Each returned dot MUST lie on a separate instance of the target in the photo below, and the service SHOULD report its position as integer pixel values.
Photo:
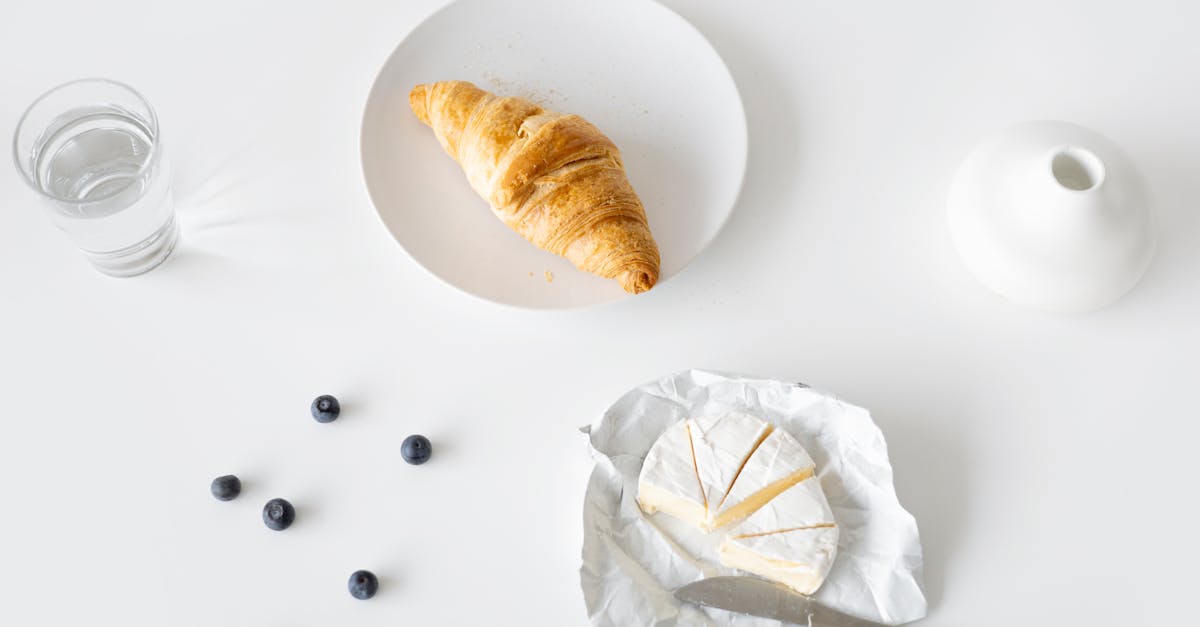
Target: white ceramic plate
(637, 70)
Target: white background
(1048, 459)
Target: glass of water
(91, 149)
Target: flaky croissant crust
(552, 177)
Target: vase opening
(1077, 169)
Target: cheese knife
(758, 597)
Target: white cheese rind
(800, 559)
(802, 505)
(780, 458)
(700, 470)
(668, 480)
(722, 444)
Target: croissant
(552, 177)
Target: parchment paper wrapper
(632, 563)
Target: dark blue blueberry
(278, 514)
(226, 488)
(325, 408)
(416, 449)
(363, 584)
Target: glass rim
(151, 158)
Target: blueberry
(363, 584)
(325, 408)
(226, 488)
(416, 449)
(278, 514)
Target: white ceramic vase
(1052, 215)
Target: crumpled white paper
(632, 563)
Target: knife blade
(758, 597)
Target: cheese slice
(792, 539)
(799, 559)
(802, 505)
(722, 444)
(776, 465)
(668, 480)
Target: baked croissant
(552, 177)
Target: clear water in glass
(101, 169)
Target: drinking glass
(92, 150)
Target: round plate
(637, 70)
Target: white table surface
(1048, 459)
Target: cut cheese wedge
(791, 539)
(722, 444)
(799, 559)
(776, 465)
(802, 505)
(668, 480)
